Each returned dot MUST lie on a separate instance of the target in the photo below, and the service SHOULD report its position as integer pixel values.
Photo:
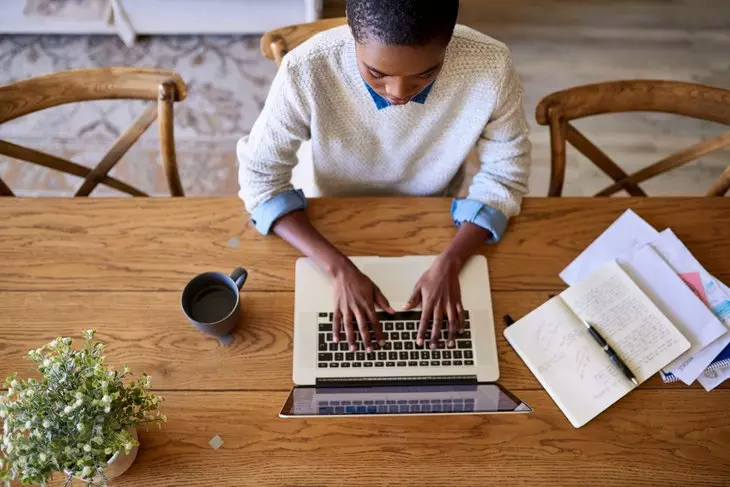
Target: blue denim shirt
(462, 210)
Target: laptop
(400, 378)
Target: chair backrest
(276, 43)
(688, 99)
(35, 94)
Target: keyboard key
(388, 346)
(334, 365)
(345, 364)
(457, 353)
(390, 364)
(349, 356)
(360, 356)
(400, 326)
(371, 356)
(422, 363)
(322, 365)
(458, 362)
(325, 327)
(368, 364)
(446, 354)
(468, 362)
(322, 347)
(466, 334)
(356, 364)
(411, 325)
(466, 314)
(467, 326)
(379, 364)
(425, 355)
(414, 335)
(398, 346)
(403, 356)
(463, 344)
(392, 355)
(446, 362)
(408, 345)
(421, 346)
(435, 363)
(339, 357)
(436, 354)
(412, 364)
(414, 355)
(344, 347)
(389, 327)
(468, 354)
(323, 315)
(325, 357)
(333, 347)
(329, 337)
(382, 355)
(402, 364)
(332, 316)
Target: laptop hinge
(401, 381)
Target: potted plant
(79, 418)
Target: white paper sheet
(688, 313)
(625, 235)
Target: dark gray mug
(212, 303)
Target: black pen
(611, 353)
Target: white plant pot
(119, 462)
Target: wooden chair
(276, 43)
(692, 100)
(35, 94)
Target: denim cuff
(266, 214)
(479, 214)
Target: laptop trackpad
(396, 277)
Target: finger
(460, 313)
(453, 317)
(415, 298)
(347, 320)
(375, 322)
(362, 324)
(382, 301)
(337, 326)
(438, 318)
(423, 326)
(350, 332)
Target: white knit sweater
(412, 149)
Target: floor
(556, 44)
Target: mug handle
(239, 276)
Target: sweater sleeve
(504, 151)
(267, 156)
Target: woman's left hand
(439, 294)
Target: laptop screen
(417, 399)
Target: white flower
(3, 413)
(30, 392)
(28, 425)
(78, 402)
(67, 409)
(46, 423)
(79, 395)
(47, 362)
(14, 383)
(98, 440)
(106, 399)
(108, 451)
(86, 472)
(107, 409)
(128, 446)
(80, 427)
(43, 457)
(54, 343)
(10, 391)
(67, 450)
(148, 382)
(87, 448)
(104, 384)
(110, 373)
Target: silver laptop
(400, 377)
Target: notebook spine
(668, 378)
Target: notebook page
(628, 320)
(569, 364)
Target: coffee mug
(212, 303)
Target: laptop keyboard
(400, 349)
(399, 406)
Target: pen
(611, 353)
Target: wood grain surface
(645, 440)
(119, 266)
(138, 245)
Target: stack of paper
(695, 301)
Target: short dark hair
(402, 22)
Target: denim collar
(381, 102)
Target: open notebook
(571, 366)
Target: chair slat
(52, 162)
(5, 189)
(722, 185)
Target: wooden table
(119, 265)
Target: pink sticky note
(692, 279)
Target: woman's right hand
(356, 297)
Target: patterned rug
(227, 82)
